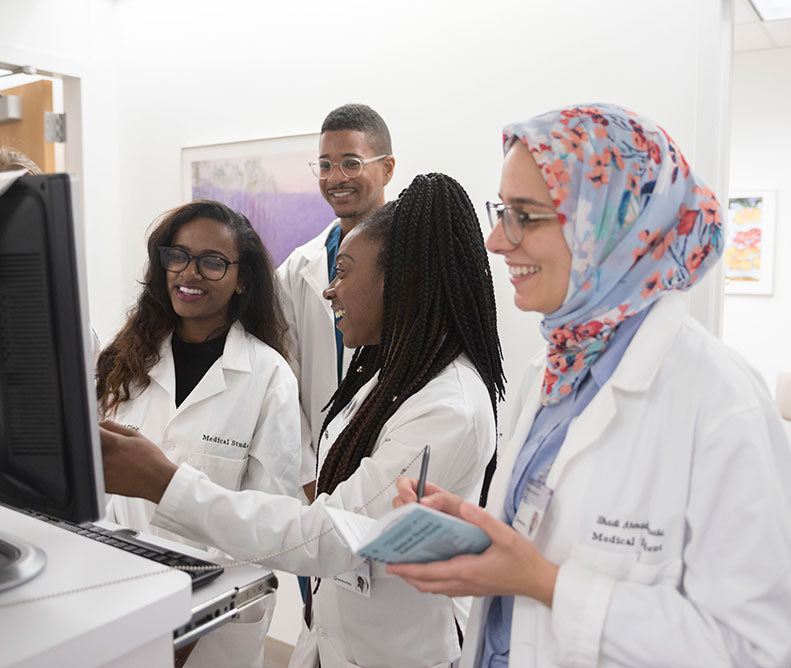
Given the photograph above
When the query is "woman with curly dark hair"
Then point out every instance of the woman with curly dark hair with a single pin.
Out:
(199, 368)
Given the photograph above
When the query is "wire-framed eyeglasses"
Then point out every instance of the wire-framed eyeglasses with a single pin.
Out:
(211, 267)
(350, 166)
(514, 220)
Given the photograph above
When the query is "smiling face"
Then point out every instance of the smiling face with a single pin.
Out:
(540, 266)
(353, 199)
(201, 304)
(356, 292)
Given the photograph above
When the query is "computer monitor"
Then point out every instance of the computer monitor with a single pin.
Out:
(50, 456)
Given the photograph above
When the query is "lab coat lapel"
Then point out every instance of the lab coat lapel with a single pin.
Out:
(495, 504)
(635, 373)
(234, 358)
(584, 430)
(212, 383)
(315, 273)
(507, 456)
(340, 421)
(163, 373)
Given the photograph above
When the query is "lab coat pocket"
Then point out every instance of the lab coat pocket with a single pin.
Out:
(222, 470)
(627, 566)
(617, 565)
(237, 644)
(306, 651)
(666, 572)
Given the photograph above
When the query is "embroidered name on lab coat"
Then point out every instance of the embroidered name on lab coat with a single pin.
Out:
(225, 441)
(628, 533)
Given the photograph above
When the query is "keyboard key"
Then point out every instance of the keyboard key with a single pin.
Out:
(139, 547)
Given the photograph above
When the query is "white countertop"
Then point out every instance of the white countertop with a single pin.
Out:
(93, 627)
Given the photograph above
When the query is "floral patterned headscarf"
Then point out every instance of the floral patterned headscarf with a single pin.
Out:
(637, 219)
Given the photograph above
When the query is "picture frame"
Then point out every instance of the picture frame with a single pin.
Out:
(749, 251)
(268, 180)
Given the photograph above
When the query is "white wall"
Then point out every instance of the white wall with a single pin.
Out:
(75, 38)
(446, 77)
(758, 325)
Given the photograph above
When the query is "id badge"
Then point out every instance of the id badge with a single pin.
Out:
(357, 581)
(535, 503)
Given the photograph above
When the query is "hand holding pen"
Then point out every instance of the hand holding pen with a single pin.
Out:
(411, 490)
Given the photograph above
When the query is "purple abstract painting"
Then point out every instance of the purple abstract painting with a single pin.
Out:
(275, 190)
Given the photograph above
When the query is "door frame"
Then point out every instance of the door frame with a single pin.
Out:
(71, 73)
(712, 139)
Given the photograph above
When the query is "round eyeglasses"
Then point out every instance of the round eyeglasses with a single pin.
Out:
(350, 167)
(514, 220)
(211, 267)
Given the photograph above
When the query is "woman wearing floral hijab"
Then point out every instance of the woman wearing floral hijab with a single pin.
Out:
(640, 513)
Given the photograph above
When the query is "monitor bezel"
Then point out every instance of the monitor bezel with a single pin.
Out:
(66, 246)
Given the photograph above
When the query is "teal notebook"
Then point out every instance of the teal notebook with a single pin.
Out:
(410, 534)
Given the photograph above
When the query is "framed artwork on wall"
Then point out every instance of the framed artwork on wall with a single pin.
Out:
(268, 180)
(749, 244)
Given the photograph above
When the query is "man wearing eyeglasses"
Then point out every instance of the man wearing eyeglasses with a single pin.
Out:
(354, 165)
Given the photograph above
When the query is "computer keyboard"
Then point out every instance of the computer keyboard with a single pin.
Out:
(121, 539)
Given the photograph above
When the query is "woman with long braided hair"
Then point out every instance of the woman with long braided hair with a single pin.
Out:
(447, 310)
(413, 294)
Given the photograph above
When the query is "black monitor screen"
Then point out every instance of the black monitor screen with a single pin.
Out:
(49, 445)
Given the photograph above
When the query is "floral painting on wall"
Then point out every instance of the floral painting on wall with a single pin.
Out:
(749, 247)
(268, 180)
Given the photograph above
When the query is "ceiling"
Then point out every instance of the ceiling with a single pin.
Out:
(750, 33)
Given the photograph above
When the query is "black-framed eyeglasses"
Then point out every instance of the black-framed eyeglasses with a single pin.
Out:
(514, 220)
(350, 167)
(211, 267)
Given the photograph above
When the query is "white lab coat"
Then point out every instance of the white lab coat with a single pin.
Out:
(685, 443)
(311, 329)
(240, 426)
(397, 626)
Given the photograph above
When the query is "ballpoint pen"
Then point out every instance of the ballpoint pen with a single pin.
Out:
(421, 481)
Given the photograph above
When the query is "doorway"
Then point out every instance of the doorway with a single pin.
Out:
(38, 99)
(44, 91)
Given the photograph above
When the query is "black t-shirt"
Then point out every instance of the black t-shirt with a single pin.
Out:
(192, 361)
